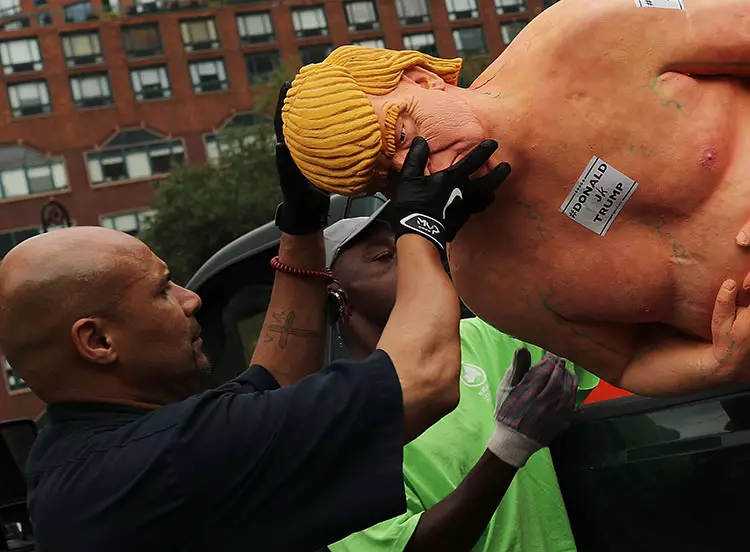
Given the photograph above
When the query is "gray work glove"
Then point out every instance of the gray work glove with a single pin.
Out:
(533, 407)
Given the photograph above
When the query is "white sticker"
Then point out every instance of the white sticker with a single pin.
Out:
(665, 4)
(598, 197)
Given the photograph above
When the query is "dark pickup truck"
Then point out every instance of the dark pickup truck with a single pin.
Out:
(638, 474)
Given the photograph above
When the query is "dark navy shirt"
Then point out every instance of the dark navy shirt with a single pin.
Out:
(245, 467)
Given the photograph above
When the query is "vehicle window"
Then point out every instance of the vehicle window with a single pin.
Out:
(363, 206)
(672, 478)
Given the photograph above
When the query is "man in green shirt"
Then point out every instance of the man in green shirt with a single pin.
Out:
(455, 501)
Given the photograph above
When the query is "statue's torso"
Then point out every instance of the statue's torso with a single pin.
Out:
(685, 140)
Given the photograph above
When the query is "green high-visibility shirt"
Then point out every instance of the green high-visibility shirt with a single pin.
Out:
(531, 516)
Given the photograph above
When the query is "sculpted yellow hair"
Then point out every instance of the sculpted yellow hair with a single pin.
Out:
(330, 126)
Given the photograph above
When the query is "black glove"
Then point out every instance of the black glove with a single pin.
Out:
(305, 208)
(437, 206)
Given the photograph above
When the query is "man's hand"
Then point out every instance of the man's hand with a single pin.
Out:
(305, 208)
(730, 328)
(437, 206)
(533, 407)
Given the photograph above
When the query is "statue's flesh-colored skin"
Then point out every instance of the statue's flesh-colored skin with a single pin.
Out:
(662, 96)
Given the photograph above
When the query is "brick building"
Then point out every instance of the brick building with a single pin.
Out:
(101, 98)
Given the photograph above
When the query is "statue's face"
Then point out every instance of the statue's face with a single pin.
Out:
(434, 110)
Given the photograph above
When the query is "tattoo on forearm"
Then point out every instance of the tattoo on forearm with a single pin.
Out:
(284, 327)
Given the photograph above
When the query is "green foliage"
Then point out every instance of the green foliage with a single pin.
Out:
(471, 69)
(200, 209)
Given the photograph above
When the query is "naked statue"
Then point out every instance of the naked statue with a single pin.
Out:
(628, 131)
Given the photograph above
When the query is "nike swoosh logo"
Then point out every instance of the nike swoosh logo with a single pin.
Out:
(455, 194)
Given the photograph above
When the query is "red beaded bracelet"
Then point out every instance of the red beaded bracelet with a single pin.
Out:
(278, 266)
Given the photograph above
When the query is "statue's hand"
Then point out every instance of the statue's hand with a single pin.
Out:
(438, 205)
(305, 208)
(730, 328)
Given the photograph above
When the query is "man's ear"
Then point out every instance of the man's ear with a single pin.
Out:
(424, 78)
(93, 341)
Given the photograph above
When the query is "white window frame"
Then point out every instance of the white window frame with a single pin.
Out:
(249, 22)
(17, 104)
(413, 12)
(21, 55)
(456, 40)
(117, 221)
(510, 6)
(370, 43)
(462, 9)
(200, 68)
(510, 29)
(74, 58)
(361, 15)
(136, 160)
(186, 32)
(156, 73)
(255, 78)
(310, 21)
(416, 41)
(67, 10)
(83, 85)
(309, 48)
(9, 8)
(57, 172)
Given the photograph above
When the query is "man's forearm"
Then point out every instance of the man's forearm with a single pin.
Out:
(455, 523)
(292, 341)
(421, 336)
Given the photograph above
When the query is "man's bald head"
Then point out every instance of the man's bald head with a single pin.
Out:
(66, 295)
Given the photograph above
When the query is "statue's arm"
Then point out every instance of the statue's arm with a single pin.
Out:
(669, 363)
(713, 39)
(654, 359)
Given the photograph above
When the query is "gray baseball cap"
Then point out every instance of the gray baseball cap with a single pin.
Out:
(342, 232)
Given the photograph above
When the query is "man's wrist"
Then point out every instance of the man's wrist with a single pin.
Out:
(511, 446)
(298, 221)
(304, 251)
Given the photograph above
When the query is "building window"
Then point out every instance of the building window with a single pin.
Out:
(255, 28)
(470, 41)
(261, 66)
(134, 154)
(462, 9)
(511, 30)
(199, 34)
(371, 43)
(361, 15)
(314, 54)
(309, 22)
(29, 98)
(214, 145)
(130, 223)
(44, 19)
(8, 240)
(208, 75)
(91, 90)
(510, 6)
(40, 3)
(15, 382)
(82, 49)
(80, 11)
(9, 7)
(422, 42)
(21, 56)
(413, 12)
(151, 83)
(24, 171)
(142, 41)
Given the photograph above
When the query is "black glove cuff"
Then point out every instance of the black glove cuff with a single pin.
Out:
(422, 225)
(298, 222)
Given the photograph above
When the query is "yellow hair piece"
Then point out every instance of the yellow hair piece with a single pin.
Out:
(330, 126)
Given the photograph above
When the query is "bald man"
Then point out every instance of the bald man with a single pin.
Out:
(284, 457)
